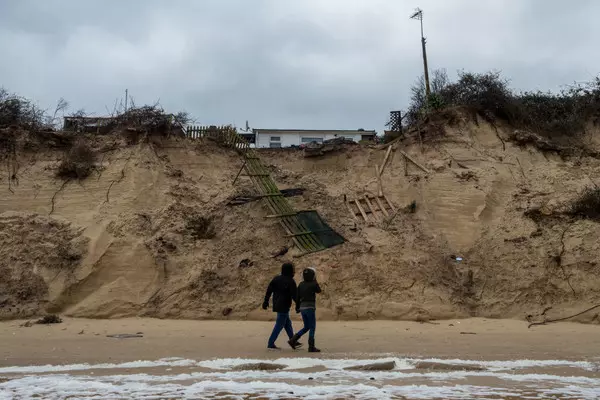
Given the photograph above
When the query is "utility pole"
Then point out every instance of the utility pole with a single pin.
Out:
(126, 98)
(418, 14)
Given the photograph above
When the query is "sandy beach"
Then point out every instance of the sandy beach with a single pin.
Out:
(178, 359)
(84, 340)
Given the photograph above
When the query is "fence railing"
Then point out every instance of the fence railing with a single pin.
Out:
(195, 132)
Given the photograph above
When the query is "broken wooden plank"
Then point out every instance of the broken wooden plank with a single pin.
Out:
(381, 206)
(282, 215)
(308, 233)
(414, 162)
(239, 172)
(390, 219)
(362, 211)
(352, 212)
(371, 207)
(385, 160)
(389, 203)
(379, 184)
(389, 144)
(290, 214)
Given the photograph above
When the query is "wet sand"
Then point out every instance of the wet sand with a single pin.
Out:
(86, 341)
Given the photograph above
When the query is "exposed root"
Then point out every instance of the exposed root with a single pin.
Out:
(10, 189)
(117, 180)
(104, 152)
(558, 260)
(547, 321)
(112, 183)
(499, 138)
(410, 286)
(56, 193)
(482, 290)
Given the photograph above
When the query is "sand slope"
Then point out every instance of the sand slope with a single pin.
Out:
(119, 243)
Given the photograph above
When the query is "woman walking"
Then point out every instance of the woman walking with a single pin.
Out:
(306, 305)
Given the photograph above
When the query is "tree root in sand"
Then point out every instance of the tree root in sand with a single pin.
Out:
(117, 180)
(112, 183)
(547, 321)
(56, 193)
(559, 257)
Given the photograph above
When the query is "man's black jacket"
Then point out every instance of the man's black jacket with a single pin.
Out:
(283, 288)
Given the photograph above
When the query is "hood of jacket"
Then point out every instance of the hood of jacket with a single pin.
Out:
(308, 275)
(287, 269)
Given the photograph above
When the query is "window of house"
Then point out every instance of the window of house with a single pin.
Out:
(306, 140)
(275, 142)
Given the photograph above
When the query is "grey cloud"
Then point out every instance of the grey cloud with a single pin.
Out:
(305, 64)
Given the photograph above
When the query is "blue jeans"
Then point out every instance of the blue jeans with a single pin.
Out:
(310, 323)
(283, 321)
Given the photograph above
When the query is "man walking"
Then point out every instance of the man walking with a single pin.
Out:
(283, 289)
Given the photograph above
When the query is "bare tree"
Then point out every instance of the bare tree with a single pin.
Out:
(418, 99)
(61, 106)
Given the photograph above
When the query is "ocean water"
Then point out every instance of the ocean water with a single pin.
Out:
(305, 378)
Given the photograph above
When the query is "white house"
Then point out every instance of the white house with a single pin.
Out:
(276, 138)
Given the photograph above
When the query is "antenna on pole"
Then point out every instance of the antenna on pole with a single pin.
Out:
(418, 15)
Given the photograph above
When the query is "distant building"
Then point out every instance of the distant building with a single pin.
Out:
(89, 124)
(277, 138)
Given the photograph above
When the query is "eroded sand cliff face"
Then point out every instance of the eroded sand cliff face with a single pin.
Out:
(123, 241)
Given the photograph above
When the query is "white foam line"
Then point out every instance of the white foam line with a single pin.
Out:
(35, 369)
(59, 387)
(512, 364)
(300, 363)
(356, 375)
(338, 376)
(401, 363)
(352, 375)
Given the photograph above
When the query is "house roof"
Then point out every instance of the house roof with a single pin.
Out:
(320, 131)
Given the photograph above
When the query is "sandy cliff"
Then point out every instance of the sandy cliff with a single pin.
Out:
(131, 239)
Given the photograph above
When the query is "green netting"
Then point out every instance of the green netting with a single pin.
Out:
(309, 231)
(314, 223)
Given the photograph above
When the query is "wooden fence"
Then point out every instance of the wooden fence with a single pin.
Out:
(195, 131)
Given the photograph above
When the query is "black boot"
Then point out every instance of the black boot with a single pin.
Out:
(293, 342)
(311, 346)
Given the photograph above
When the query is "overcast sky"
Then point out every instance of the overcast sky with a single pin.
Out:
(284, 63)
